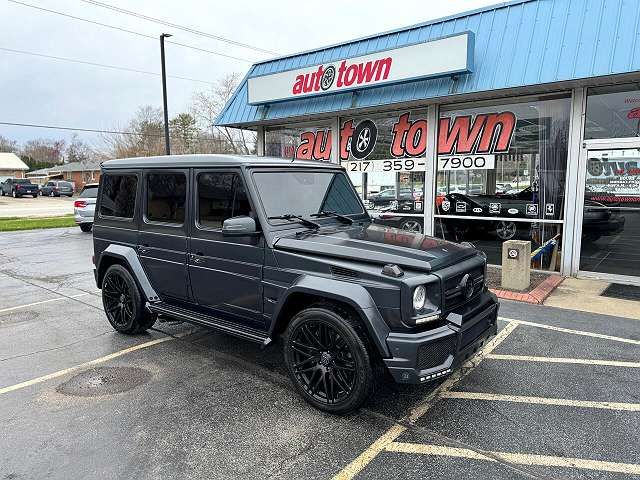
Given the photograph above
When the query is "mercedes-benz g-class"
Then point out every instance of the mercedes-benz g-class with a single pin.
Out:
(261, 247)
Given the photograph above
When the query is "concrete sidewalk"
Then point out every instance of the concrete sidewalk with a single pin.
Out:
(584, 295)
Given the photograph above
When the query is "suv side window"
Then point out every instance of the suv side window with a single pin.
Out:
(118, 195)
(221, 195)
(166, 197)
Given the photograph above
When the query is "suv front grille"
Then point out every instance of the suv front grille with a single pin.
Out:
(453, 295)
(436, 353)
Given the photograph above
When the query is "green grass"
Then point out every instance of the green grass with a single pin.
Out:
(13, 224)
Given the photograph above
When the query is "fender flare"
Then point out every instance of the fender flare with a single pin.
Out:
(350, 293)
(130, 257)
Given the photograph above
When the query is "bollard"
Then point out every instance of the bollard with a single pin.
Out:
(516, 265)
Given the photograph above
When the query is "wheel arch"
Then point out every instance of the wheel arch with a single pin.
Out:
(309, 290)
(128, 258)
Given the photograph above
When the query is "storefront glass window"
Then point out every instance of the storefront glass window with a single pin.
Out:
(501, 176)
(613, 112)
(385, 158)
(302, 143)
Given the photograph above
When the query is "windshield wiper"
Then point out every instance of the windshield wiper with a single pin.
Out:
(329, 213)
(291, 217)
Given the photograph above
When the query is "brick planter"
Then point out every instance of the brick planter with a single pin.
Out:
(536, 296)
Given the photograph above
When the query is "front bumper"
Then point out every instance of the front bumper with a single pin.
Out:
(430, 355)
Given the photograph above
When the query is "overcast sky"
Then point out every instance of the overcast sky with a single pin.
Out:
(45, 91)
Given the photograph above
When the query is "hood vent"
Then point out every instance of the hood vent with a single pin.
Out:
(343, 272)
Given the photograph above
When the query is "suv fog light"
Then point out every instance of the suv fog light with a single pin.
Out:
(419, 297)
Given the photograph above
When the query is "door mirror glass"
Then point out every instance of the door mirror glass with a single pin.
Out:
(241, 225)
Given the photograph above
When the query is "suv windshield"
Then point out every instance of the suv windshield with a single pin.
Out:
(305, 193)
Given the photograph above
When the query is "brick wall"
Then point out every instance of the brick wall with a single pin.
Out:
(80, 179)
(12, 173)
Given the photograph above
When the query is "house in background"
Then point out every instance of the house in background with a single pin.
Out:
(11, 166)
(78, 173)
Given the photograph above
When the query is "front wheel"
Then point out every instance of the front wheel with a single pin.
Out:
(327, 359)
(122, 302)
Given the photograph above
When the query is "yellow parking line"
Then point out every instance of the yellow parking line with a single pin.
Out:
(574, 332)
(57, 299)
(516, 458)
(82, 366)
(366, 457)
(576, 361)
(494, 397)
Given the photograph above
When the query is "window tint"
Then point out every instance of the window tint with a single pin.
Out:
(89, 192)
(118, 195)
(221, 196)
(166, 193)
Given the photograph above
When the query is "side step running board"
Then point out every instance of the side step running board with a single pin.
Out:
(186, 315)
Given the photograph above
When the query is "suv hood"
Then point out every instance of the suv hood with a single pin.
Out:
(377, 244)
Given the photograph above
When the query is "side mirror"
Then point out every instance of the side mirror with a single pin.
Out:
(237, 226)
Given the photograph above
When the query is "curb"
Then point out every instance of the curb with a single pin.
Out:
(537, 296)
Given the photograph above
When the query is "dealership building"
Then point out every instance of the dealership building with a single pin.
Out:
(515, 121)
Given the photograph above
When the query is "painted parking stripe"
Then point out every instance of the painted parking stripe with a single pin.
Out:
(57, 299)
(574, 361)
(366, 457)
(494, 397)
(574, 332)
(82, 366)
(516, 458)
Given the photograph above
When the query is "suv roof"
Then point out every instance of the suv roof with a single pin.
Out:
(184, 161)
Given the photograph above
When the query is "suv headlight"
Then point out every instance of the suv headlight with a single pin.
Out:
(419, 298)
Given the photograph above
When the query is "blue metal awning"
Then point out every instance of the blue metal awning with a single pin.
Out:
(517, 44)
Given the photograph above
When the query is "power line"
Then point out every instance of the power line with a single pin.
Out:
(101, 65)
(174, 25)
(112, 132)
(125, 30)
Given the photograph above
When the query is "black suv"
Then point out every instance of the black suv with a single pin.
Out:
(261, 247)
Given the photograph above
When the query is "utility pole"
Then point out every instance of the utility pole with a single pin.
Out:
(167, 144)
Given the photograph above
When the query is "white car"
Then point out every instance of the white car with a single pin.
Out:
(85, 206)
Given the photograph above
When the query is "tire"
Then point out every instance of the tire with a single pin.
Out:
(35, 195)
(86, 227)
(40, 192)
(506, 230)
(333, 378)
(363, 140)
(51, 193)
(14, 194)
(411, 225)
(123, 303)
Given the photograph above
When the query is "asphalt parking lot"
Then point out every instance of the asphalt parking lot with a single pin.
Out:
(554, 395)
(35, 207)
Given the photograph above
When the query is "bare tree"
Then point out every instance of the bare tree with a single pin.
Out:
(44, 150)
(8, 146)
(207, 105)
(144, 137)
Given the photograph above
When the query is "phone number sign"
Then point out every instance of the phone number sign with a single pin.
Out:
(467, 162)
(395, 165)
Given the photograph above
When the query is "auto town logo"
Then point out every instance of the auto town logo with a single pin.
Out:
(484, 133)
(347, 75)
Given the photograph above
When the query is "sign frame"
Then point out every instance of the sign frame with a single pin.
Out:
(256, 94)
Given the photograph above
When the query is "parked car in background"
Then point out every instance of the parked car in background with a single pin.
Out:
(84, 207)
(55, 188)
(19, 187)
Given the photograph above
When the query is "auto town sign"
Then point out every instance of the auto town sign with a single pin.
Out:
(435, 58)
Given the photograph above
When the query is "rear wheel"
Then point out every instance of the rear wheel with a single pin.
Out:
(122, 302)
(86, 227)
(327, 359)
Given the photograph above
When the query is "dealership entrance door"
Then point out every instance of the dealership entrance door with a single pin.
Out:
(609, 227)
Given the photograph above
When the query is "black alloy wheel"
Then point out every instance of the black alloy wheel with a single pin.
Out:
(411, 225)
(122, 302)
(506, 230)
(327, 360)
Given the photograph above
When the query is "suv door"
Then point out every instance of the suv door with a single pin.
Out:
(225, 271)
(162, 241)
